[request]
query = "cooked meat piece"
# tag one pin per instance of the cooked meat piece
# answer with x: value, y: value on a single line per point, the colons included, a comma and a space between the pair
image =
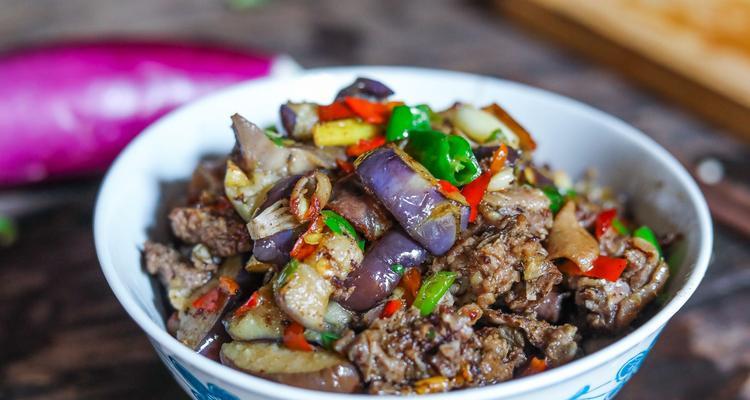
x: 510, y: 264
x: 612, y: 243
x: 599, y: 300
x: 612, y: 306
x: 551, y: 306
x: 498, y: 207
x: 362, y: 210
x: 398, y: 349
x: 207, y: 177
x: 484, y: 267
x: 586, y: 211
x: 223, y: 233
x: 530, y: 292
x: 501, y: 353
x: 558, y: 343
x: 176, y: 272
x: 395, y: 353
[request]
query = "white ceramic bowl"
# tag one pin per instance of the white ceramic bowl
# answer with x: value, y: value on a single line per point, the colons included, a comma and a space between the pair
x: 571, y: 136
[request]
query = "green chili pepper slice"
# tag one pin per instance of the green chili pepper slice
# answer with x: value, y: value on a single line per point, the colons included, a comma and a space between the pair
x: 648, y: 235
x: 398, y: 268
x: 405, y: 119
x: 620, y: 227
x: 447, y: 157
x: 340, y: 226
x: 556, y: 199
x: 275, y: 137
x: 289, y: 269
x: 432, y: 291
x: 327, y: 339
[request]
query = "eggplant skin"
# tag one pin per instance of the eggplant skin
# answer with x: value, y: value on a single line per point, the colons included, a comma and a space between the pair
x: 412, y: 195
x: 316, y: 370
x: 288, y: 118
x: 210, y: 345
x: 365, y: 88
x: 374, y: 279
x: 274, y: 249
x: 204, y: 331
x: 281, y: 189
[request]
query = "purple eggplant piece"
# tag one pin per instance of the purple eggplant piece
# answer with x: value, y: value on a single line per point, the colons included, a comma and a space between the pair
x: 366, y: 88
x: 282, y: 188
x: 412, y: 195
x: 288, y: 118
x: 374, y: 279
x: 352, y: 202
x: 210, y: 345
x: 275, y: 248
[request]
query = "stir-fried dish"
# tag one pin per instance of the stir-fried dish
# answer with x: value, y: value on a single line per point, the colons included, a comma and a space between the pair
x: 368, y: 245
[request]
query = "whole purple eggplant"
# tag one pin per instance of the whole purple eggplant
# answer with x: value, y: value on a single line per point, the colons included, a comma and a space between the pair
x: 413, y: 196
x: 69, y: 109
x: 275, y: 248
x: 373, y: 280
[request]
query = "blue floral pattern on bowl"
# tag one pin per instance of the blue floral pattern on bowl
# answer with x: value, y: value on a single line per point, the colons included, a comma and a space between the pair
x: 608, y: 390
x: 200, y: 391
x: 605, y: 391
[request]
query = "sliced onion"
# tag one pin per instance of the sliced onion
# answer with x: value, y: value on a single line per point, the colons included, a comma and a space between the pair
x: 310, y: 195
x: 275, y: 218
x: 501, y: 180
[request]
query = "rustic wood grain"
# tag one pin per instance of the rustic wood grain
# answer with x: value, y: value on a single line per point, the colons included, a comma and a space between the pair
x: 63, y: 334
x: 691, y: 66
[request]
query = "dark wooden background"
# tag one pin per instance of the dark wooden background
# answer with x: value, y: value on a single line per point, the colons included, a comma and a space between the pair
x: 64, y: 336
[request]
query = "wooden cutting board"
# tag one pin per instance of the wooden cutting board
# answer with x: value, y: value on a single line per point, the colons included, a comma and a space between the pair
x: 696, y: 52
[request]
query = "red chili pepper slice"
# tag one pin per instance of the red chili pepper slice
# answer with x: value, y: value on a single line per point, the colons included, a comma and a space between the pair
x: 229, y: 285
x: 345, y: 166
x: 251, y: 303
x: 447, y: 187
x: 474, y: 191
x: 370, y: 112
x: 498, y: 158
x: 302, y: 249
x: 536, y: 365
x: 604, y: 221
x: 364, y: 146
x: 210, y: 301
x: 294, y: 337
x: 391, y: 307
x: 411, y: 281
x: 334, y: 111
x: 609, y: 268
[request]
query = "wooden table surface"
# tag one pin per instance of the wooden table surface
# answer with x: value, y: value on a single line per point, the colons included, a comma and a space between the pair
x: 64, y: 336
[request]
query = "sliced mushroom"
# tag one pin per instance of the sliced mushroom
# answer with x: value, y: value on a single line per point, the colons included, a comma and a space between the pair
x: 568, y: 239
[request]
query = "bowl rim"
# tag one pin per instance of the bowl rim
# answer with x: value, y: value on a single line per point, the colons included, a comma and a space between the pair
x: 513, y: 387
